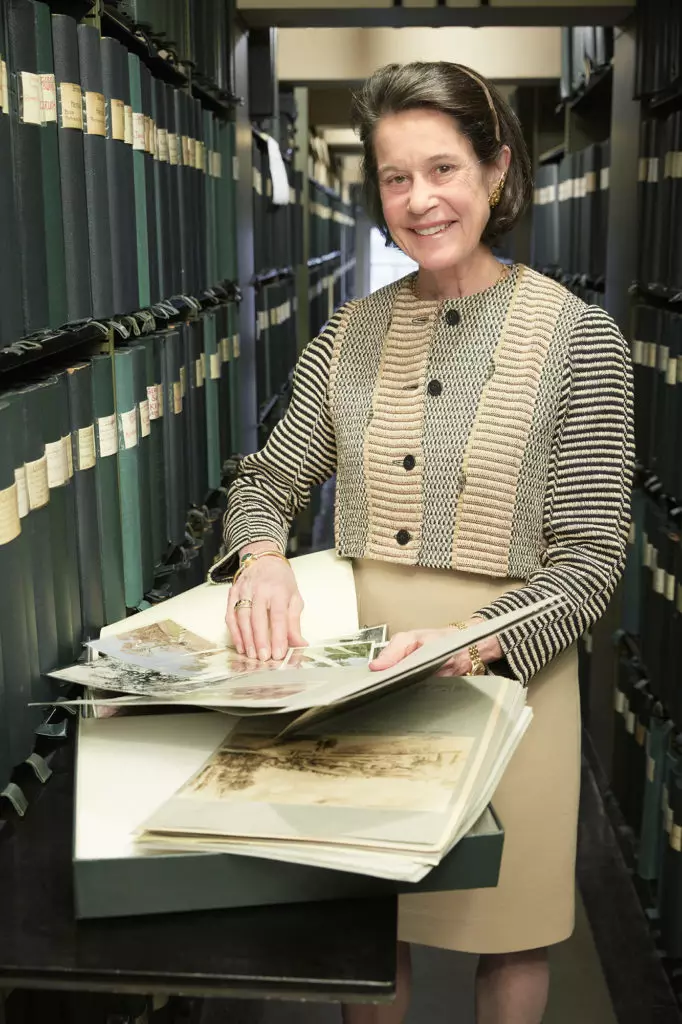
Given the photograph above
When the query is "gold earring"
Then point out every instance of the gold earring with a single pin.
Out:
(496, 194)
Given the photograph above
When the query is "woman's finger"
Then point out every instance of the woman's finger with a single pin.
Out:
(400, 646)
(243, 615)
(260, 627)
(294, 622)
(232, 621)
(278, 624)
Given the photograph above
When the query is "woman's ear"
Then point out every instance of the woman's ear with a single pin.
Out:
(499, 167)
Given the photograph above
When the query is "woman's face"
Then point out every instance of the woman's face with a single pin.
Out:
(434, 190)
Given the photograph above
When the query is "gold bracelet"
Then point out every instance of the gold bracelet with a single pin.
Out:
(477, 666)
(248, 559)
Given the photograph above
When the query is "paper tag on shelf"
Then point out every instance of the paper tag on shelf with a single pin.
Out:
(163, 145)
(138, 131)
(128, 132)
(145, 426)
(128, 428)
(68, 452)
(225, 349)
(4, 91)
(57, 468)
(117, 115)
(87, 453)
(236, 349)
(10, 524)
(652, 173)
(659, 580)
(37, 483)
(48, 89)
(107, 434)
(604, 178)
(177, 396)
(216, 364)
(173, 157)
(71, 105)
(183, 380)
(619, 701)
(153, 401)
(22, 491)
(159, 390)
(31, 98)
(95, 114)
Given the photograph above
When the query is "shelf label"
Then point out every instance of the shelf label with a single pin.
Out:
(37, 484)
(57, 468)
(107, 436)
(85, 443)
(10, 524)
(71, 105)
(95, 114)
(31, 98)
(117, 120)
(128, 135)
(138, 131)
(145, 425)
(22, 491)
(128, 428)
(49, 99)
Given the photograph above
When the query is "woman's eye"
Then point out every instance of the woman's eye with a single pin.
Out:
(397, 179)
(444, 168)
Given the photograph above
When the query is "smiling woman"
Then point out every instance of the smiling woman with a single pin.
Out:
(478, 418)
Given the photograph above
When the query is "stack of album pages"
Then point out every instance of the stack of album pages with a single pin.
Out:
(323, 761)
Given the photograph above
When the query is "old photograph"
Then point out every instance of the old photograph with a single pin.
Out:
(414, 773)
(351, 655)
(165, 646)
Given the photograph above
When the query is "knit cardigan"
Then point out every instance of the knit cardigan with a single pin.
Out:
(491, 433)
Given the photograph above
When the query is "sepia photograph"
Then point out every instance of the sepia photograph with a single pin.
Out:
(407, 773)
(350, 655)
(165, 646)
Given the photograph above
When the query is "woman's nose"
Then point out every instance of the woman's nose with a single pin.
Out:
(421, 198)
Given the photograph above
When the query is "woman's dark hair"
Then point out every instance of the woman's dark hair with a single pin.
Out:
(482, 116)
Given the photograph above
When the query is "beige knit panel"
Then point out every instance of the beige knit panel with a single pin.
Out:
(331, 394)
(396, 429)
(494, 453)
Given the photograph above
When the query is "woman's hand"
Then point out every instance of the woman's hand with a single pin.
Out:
(459, 664)
(272, 622)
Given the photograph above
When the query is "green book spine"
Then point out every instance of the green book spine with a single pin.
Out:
(173, 439)
(34, 495)
(213, 363)
(106, 482)
(84, 449)
(60, 527)
(144, 461)
(13, 570)
(70, 538)
(140, 180)
(210, 193)
(233, 335)
(127, 417)
(224, 382)
(154, 356)
(49, 151)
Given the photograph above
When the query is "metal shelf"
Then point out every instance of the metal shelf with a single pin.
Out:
(115, 24)
(50, 343)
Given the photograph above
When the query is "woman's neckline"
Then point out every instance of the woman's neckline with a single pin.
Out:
(503, 280)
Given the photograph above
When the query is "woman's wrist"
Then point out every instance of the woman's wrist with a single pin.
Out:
(256, 547)
(489, 650)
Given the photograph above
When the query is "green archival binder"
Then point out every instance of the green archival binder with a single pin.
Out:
(106, 484)
(144, 462)
(213, 366)
(173, 439)
(152, 415)
(70, 535)
(140, 181)
(82, 423)
(224, 355)
(34, 497)
(14, 638)
(195, 416)
(128, 425)
(52, 190)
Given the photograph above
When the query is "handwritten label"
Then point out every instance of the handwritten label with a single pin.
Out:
(68, 454)
(163, 145)
(22, 491)
(173, 155)
(128, 135)
(85, 443)
(4, 91)
(57, 467)
(107, 435)
(225, 349)
(153, 401)
(118, 120)
(37, 483)
(145, 427)
(128, 428)
(159, 388)
(10, 525)
(95, 114)
(138, 131)
(236, 346)
(71, 105)
(48, 104)
(31, 98)
(183, 380)
(177, 396)
(216, 365)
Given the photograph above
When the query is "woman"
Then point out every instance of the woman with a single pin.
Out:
(479, 420)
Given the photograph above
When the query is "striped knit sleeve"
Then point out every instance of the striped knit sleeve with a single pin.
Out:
(274, 484)
(587, 502)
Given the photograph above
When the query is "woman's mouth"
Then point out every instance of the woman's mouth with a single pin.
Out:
(433, 229)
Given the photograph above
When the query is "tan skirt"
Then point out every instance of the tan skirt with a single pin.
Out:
(536, 801)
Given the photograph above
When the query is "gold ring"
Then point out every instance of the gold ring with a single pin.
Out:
(244, 603)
